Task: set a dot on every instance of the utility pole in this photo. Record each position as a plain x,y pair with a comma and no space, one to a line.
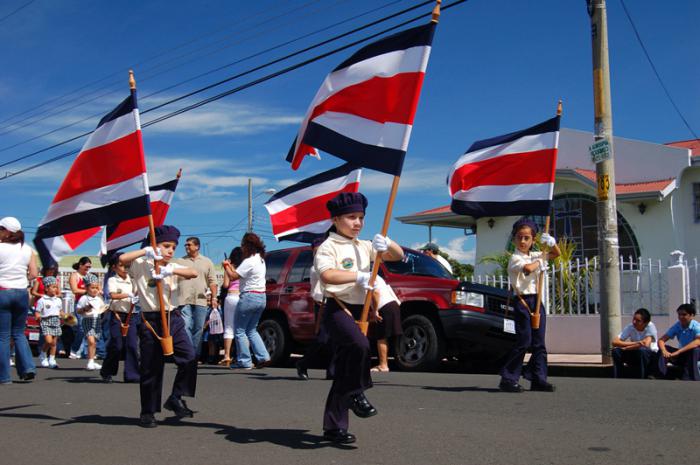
602,154
250,205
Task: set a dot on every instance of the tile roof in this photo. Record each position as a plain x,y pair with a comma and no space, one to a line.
692,144
632,187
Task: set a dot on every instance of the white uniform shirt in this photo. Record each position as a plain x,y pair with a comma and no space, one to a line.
631,333
443,261
49,306
141,273
14,262
252,272
315,285
340,253
118,285
386,293
524,284
93,306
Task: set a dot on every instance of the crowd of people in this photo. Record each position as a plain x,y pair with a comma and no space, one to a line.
120,318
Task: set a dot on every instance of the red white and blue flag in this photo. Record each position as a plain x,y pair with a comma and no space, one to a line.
135,230
507,175
299,213
106,184
364,110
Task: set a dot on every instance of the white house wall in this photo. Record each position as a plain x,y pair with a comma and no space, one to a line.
687,229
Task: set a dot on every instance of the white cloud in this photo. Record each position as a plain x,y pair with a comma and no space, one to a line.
412,179
454,248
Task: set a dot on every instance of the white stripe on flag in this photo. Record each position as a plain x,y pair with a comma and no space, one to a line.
57,247
97,198
113,130
163,195
311,192
126,239
547,140
366,131
506,193
319,227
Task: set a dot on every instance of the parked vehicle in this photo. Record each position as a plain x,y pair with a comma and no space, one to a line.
33,331
441,316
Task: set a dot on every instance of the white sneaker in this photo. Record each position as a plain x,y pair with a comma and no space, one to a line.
74,356
52,363
96,365
91,365
44,361
12,362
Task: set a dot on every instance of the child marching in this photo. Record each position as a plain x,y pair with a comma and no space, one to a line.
49,311
91,306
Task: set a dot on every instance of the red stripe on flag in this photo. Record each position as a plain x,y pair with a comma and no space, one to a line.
306,212
75,239
108,164
393,99
515,168
159,210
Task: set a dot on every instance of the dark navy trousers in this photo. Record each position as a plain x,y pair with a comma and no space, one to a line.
687,361
319,352
636,363
126,346
153,361
527,338
351,357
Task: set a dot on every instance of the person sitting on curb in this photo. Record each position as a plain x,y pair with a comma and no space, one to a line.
687,330
636,346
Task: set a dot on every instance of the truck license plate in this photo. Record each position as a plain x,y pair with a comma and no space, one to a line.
508,326
33,336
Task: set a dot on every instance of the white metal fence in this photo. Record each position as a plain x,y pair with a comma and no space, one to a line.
573,288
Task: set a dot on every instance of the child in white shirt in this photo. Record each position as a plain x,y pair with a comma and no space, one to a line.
91,306
49,311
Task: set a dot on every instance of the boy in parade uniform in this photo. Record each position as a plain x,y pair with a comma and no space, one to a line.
122,294
91,306
49,310
525,268
343,264
142,273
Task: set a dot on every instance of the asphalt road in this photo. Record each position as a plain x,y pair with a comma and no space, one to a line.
267,416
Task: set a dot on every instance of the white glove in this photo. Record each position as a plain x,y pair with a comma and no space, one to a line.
134,299
381,243
548,240
543,265
129,295
165,271
152,254
363,279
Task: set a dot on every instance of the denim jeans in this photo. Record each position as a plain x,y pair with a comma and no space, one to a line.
246,318
14,305
194,316
78,345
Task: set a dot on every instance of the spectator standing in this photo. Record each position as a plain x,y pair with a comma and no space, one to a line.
636,346
77,287
388,321
686,356
251,273
192,294
17,267
232,288
432,250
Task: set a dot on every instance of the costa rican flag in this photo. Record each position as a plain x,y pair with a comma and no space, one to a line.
299,213
364,110
507,175
135,230
106,184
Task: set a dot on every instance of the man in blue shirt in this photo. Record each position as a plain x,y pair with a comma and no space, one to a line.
687,330
635,348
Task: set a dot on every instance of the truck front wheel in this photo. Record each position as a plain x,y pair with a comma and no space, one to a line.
276,338
420,347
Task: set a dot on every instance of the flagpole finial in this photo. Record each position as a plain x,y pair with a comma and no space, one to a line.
559,108
179,173
436,11
132,81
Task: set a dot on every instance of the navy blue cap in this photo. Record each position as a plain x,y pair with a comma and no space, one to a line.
347,202
524,222
165,233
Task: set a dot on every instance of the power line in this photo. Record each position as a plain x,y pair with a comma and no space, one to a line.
236,76
231,91
17,10
656,72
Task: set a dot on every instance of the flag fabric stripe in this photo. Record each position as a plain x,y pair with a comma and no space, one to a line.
391,135
380,83
89,169
96,197
131,238
507,175
299,212
127,106
384,159
113,130
74,240
505,170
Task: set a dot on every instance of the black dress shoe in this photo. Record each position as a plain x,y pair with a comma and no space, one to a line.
28,376
339,436
361,406
510,387
301,372
147,420
178,407
107,379
263,364
544,387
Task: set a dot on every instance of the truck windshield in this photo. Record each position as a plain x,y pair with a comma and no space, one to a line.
418,264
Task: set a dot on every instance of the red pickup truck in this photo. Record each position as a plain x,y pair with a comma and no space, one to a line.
441,316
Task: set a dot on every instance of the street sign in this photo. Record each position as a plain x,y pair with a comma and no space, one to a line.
600,151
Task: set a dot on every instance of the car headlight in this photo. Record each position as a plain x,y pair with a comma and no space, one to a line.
473,299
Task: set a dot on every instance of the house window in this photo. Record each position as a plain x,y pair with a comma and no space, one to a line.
696,201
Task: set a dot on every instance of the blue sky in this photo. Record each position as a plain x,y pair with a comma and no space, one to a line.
496,66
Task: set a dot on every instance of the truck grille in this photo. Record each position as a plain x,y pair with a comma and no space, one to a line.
499,306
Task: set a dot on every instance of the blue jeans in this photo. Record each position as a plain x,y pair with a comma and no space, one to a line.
194,316
246,318
78,345
14,305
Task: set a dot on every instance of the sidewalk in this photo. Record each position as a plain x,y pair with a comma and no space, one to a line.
577,365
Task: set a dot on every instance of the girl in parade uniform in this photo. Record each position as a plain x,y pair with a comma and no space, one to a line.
525,268
91,306
343,264
49,310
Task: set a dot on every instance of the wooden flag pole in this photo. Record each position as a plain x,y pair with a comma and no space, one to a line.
363,323
166,341
535,317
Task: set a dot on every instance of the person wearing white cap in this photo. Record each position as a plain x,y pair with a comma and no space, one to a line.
17,267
